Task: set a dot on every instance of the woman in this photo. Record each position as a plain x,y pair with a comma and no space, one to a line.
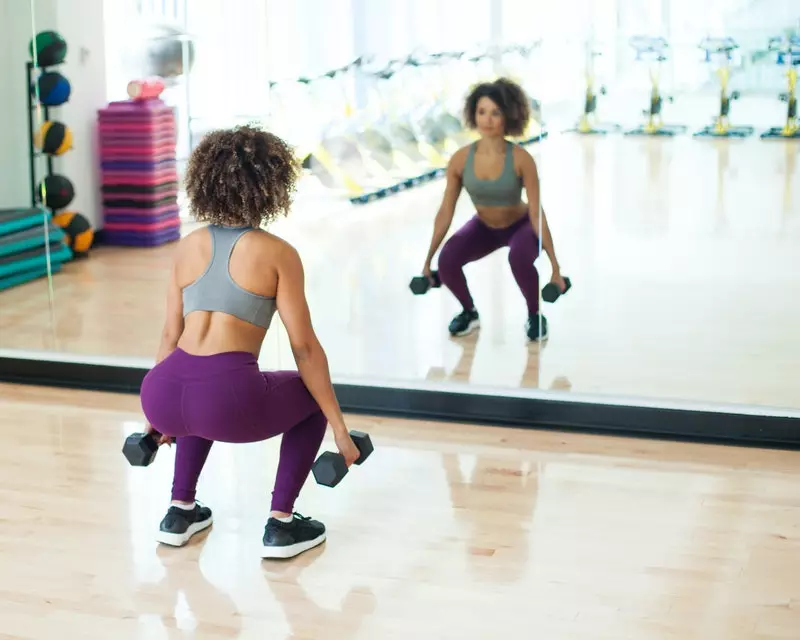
494,173
227,280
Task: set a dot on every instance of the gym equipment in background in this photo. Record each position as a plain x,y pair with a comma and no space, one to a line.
414,155
77,231
51,48
588,124
54,89
168,53
787,49
364,134
138,170
26,248
653,49
32,246
721,49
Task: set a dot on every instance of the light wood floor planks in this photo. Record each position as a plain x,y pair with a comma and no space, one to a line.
451,531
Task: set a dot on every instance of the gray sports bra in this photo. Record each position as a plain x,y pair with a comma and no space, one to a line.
215,290
505,191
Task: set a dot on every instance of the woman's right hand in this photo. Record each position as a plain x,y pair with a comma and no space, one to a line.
346,446
427,272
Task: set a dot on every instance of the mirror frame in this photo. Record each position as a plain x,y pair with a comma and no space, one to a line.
547,410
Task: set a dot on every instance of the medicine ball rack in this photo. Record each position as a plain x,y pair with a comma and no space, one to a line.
32,246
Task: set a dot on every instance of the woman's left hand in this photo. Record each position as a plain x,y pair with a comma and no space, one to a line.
557,279
162,439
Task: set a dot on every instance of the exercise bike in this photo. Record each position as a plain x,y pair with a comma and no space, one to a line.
654,49
587,125
788,53
722,49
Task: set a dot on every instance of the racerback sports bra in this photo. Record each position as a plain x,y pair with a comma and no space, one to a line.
215,290
505,191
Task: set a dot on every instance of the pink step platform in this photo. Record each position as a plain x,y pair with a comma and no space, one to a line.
138,173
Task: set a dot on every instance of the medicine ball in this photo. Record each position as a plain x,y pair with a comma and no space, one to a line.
79,233
51,48
53,138
54,89
59,191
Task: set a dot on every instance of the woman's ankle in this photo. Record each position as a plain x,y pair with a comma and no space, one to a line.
280,515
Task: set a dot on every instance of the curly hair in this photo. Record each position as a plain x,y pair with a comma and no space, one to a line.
508,96
241,176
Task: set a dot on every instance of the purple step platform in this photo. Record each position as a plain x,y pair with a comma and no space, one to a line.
138,173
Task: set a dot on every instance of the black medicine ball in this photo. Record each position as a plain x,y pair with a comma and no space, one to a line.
59,191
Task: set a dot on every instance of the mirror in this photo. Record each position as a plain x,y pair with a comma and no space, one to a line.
663,137
33,192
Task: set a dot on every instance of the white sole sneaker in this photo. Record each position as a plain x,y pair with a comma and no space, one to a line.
474,325
292,550
180,539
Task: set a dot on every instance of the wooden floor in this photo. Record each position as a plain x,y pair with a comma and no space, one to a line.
449,531
683,254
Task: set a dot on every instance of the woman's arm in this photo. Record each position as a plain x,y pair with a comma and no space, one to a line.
173,323
530,181
444,217
312,363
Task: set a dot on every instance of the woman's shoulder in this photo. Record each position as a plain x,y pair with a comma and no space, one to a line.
459,157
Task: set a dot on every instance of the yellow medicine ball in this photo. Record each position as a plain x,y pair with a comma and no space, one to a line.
53,138
79,233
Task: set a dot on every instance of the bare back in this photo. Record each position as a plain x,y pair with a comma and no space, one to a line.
254,266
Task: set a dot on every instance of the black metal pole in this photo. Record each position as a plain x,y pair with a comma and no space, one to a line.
31,148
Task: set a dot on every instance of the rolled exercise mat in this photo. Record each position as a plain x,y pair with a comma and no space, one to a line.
145,88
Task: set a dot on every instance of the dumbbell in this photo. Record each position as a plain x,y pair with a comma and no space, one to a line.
330,468
141,448
420,284
552,292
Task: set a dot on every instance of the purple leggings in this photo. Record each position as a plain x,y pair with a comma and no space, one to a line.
476,240
226,398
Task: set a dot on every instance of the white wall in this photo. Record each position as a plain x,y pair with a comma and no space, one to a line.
15,32
81,25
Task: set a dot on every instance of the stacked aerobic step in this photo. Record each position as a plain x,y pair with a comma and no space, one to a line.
139,173
23,246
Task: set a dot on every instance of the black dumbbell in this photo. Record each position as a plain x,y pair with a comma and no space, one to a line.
330,468
420,284
141,448
551,291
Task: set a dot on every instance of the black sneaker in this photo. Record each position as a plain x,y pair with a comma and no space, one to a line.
288,539
535,334
179,525
464,323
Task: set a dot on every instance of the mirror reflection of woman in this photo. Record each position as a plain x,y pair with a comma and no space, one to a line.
494,171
